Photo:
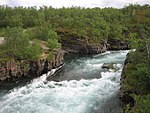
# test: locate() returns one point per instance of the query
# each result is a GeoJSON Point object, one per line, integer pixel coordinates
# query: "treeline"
{"type": "Point", "coordinates": [94, 23]}
{"type": "Point", "coordinates": [44, 23]}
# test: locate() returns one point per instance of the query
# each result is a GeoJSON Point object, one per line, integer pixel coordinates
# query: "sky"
{"type": "Point", "coordinates": [70, 3]}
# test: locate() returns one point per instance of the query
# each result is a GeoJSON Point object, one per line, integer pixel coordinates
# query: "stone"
{"type": "Point", "coordinates": [106, 65]}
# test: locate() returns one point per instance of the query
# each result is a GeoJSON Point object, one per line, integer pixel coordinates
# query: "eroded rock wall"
{"type": "Point", "coordinates": [13, 69]}
{"type": "Point", "coordinates": [83, 45]}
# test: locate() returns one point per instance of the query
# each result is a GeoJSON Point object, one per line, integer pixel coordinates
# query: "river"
{"type": "Point", "coordinates": [80, 86]}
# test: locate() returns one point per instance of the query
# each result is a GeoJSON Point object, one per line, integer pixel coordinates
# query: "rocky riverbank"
{"type": "Point", "coordinates": [135, 92]}
{"type": "Point", "coordinates": [125, 97]}
{"type": "Point", "coordinates": [12, 70]}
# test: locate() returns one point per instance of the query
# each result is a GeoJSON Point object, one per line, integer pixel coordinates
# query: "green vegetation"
{"type": "Point", "coordinates": [17, 45]}
{"type": "Point", "coordinates": [142, 104]}
{"type": "Point", "coordinates": [137, 72]}
{"type": "Point", "coordinates": [96, 23]}
{"type": "Point", "coordinates": [137, 81]}
{"type": "Point", "coordinates": [31, 34]}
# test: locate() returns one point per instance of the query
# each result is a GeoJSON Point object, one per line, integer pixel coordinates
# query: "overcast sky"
{"type": "Point", "coordinates": [69, 3]}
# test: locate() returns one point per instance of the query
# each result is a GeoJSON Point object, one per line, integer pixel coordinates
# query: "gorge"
{"type": "Point", "coordinates": [80, 86]}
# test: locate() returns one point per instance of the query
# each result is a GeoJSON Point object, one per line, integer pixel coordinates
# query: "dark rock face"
{"type": "Point", "coordinates": [106, 65]}
{"type": "Point", "coordinates": [80, 46]}
{"type": "Point", "coordinates": [13, 69]}
{"type": "Point", "coordinates": [116, 44]}
{"type": "Point", "coordinates": [72, 43]}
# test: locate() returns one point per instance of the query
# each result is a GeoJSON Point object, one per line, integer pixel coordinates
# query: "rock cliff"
{"type": "Point", "coordinates": [118, 44]}
{"type": "Point", "coordinates": [72, 43]}
{"type": "Point", "coordinates": [12, 70]}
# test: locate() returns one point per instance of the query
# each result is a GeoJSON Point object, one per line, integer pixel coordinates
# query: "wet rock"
{"type": "Point", "coordinates": [109, 66]}
{"type": "Point", "coordinates": [106, 65]}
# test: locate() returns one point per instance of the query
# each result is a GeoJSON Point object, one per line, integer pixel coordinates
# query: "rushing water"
{"type": "Point", "coordinates": [83, 87]}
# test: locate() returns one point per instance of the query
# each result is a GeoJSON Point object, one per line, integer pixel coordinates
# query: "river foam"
{"type": "Point", "coordinates": [97, 95]}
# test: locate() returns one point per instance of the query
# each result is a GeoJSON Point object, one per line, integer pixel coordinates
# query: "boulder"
{"type": "Point", "coordinates": [106, 65]}
{"type": "Point", "coordinates": [110, 66]}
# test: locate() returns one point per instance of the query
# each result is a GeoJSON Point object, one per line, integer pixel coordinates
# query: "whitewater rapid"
{"type": "Point", "coordinates": [92, 94]}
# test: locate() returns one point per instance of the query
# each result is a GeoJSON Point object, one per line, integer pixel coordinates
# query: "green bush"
{"type": "Point", "coordinates": [17, 45]}
{"type": "Point", "coordinates": [53, 43]}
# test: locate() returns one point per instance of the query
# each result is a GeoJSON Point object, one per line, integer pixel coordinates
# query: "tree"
{"type": "Point", "coordinates": [17, 45]}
